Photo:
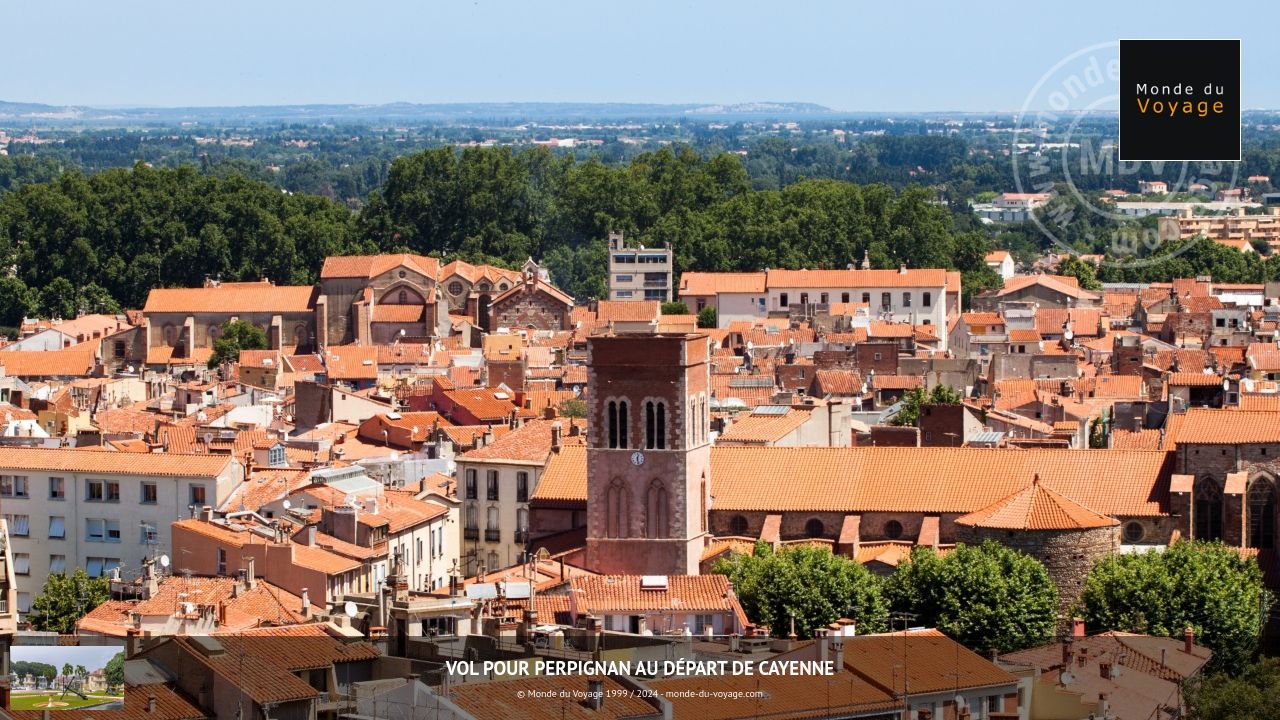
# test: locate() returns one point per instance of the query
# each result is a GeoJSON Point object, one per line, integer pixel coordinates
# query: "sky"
{"type": "Point", "coordinates": [851, 56]}
{"type": "Point", "coordinates": [91, 657]}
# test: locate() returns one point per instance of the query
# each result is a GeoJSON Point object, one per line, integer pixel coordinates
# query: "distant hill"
{"type": "Point", "coordinates": [17, 113]}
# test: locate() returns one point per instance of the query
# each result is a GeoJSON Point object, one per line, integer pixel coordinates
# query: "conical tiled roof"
{"type": "Point", "coordinates": [1036, 507]}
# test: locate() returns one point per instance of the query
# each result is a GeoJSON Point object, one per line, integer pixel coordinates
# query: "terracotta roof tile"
{"type": "Point", "coordinates": [1036, 507]}
{"type": "Point", "coordinates": [757, 429]}
{"type": "Point", "coordinates": [75, 361]}
{"type": "Point", "coordinates": [606, 594]}
{"type": "Point", "coordinates": [531, 442]}
{"type": "Point", "coordinates": [1209, 426]}
{"type": "Point", "coordinates": [628, 311]}
{"type": "Point", "coordinates": [351, 362]}
{"type": "Point", "coordinates": [393, 313]}
{"type": "Point", "coordinates": [707, 283]}
{"type": "Point", "coordinates": [83, 461]}
{"type": "Point", "coordinates": [367, 266]}
{"type": "Point", "coordinates": [232, 298]}
{"type": "Point", "coordinates": [886, 479]}
{"type": "Point", "coordinates": [1140, 440]}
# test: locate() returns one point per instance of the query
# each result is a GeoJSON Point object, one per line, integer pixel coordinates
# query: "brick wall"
{"type": "Point", "coordinates": [1068, 555]}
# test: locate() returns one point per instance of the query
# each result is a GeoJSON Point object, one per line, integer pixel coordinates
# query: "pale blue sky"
{"type": "Point", "coordinates": [855, 56]}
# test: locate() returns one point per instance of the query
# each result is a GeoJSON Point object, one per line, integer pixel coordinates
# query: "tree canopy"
{"type": "Point", "coordinates": [66, 598]}
{"type": "Point", "coordinates": [1254, 694]}
{"type": "Point", "coordinates": [913, 399]}
{"type": "Point", "coordinates": [809, 585]}
{"type": "Point", "coordinates": [236, 335]}
{"type": "Point", "coordinates": [1208, 587]}
{"type": "Point", "coordinates": [987, 597]}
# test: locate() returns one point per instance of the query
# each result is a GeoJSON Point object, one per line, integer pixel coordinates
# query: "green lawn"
{"type": "Point", "coordinates": [33, 700]}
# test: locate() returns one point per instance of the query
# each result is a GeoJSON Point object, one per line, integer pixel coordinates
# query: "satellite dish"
{"type": "Point", "coordinates": [1068, 334]}
{"type": "Point", "coordinates": [286, 504]}
{"type": "Point", "coordinates": [1067, 678]}
{"type": "Point", "coordinates": [349, 608]}
{"type": "Point", "coordinates": [164, 561]}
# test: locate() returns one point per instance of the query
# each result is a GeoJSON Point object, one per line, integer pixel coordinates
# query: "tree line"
{"type": "Point", "coordinates": [100, 242]}
{"type": "Point", "coordinates": [992, 598]}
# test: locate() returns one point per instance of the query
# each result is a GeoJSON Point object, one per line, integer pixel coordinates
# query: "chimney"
{"type": "Point", "coordinates": [1188, 639]}
{"type": "Point", "coordinates": [250, 580]}
{"type": "Point", "coordinates": [1077, 627]}
{"type": "Point", "coordinates": [206, 513]}
{"type": "Point", "coordinates": [820, 637]}
{"type": "Point", "coordinates": [902, 269]}
{"type": "Point", "coordinates": [595, 694]}
{"type": "Point", "coordinates": [151, 704]}
{"type": "Point", "coordinates": [1067, 652]}
{"type": "Point", "coordinates": [306, 604]}
{"type": "Point", "coordinates": [1104, 707]}
{"type": "Point", "coordinates": [311, 535]}
{"type": "Point", "coordinates": [549, 412]}
{"type": "Point", "coordinates": [373, 509]}
{"type": "Point", "coordinates": [222, 614]}
{"type": "Point", "coordinates": [838, 644]}
{"type": "Point", "coordinates": [555, 437]}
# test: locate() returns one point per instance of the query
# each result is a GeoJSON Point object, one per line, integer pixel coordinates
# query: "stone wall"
{"type": "Point", "coordinates": [1068, 555]}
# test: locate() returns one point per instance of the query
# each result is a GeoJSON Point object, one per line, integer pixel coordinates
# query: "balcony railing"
{"type": "Point", "coordinates": [522, 537]}
{"type": "Point", "coordinates": [471, 533]}
{"type": "Point", "coordinates": [492, 535]}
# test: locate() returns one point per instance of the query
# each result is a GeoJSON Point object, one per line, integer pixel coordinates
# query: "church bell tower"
{"type": "Point", "coordinates": [648, 453]}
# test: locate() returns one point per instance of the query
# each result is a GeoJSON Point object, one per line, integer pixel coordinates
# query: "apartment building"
{"type": "Point", "coordinates": [639, 273]}
{"type": "Point", "coordinates": [917, 296]}
{"type": "Point", "coordinates": [1235, 229]}
{"type": "Point", "coordinates": [497, 481]}
{"type": "Point", "coordinates": [69, 509]}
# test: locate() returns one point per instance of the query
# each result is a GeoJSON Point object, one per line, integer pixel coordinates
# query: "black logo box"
{"type": "Point", "coordinates": [1187, 65]}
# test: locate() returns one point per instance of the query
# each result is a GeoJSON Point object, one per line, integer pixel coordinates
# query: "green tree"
{"type": "Point", "coordinates": [1208, 587]}
{"type": "Point", "coordinates": [809, 585]}
{"type": "Point", "coordinates": [67, 670]}
{"type": "Point", "coordinates": [913, 399]}
{"type": "Point", "coordinates": [59, 299]}
{"type": "Point", "coordinates": [987, 597]}
{"type": "Point", "coordinates": [236, 335]}
{"type": "Point", "coordinates": [573, 408]}
{"type": "Point", "coordinates": [707, 318]}
{"type": "Point", "coordinates": [1085, 272]}
{"type": "Point", "coordinates": [81, 671]}
{"type": "Point", "coordinates": [114, 671]}
{"type": "Point", "coordinates": [66, 598]}
{"type": "Point", "coordinates": [1252, 695]}
{"type": "Point", "coordinates": [16, 301]}
{"type": "Point", "coordinates": [675, 308]}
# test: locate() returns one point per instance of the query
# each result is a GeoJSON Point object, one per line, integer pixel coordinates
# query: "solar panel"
{"type": "Point", "coordinates": [482, 591]}
{"type": "Point", "coordinates": [516, 590]}
{"type": "Point", "coordinates": [771, 410]}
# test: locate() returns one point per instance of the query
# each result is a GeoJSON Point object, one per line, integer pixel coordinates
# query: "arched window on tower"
{"type": "Point", "coordinates": [616, 510]}
{"type": "Point", "coordinates": [624, 439]}
{"type": "Point", "coordinates": [403, 296]}
{"type": "Point", "coordinates": [1262, 512]}
{"type": "Point", "coordinates": [1208, 509]}
{"type": "Point", "coordinates": [611, 410]}
{"type": "Point", "coordinates": [655, 425]}
{"type": "Point", "coordinates": [657, 515]}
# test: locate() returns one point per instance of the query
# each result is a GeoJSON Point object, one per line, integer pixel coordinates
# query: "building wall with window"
{"type": "Point", "coordinates": [494, 522]}
{"type": "Point", "coordinates": [639, 273]}
{"type": "Point", "coordinates": [71, 509]}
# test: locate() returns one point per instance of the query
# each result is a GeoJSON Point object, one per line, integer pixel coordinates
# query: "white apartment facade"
{"type": "Point", "coordinates": [639, 273]}
{"type": "Point", "coordinates": [916, 296]}
{"type": "Point", "coordinates": [69, 509]}
{"type": "Point", "coordinates": [495, 483]}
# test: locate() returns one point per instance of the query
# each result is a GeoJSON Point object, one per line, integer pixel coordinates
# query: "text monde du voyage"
{"type": "Point", "coordinates": [1180, 99]}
